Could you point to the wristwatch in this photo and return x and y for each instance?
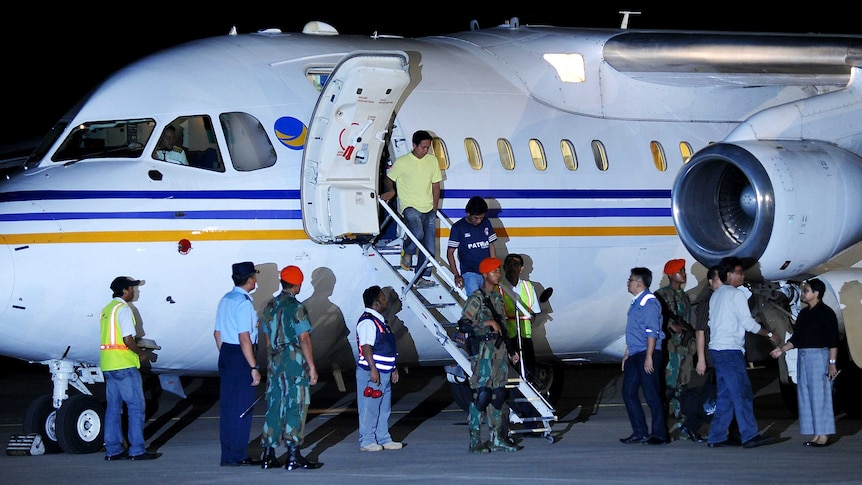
(256, 367)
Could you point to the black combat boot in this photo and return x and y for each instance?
(269, 459)
(296, 460)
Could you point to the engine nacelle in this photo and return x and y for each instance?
(790, 205)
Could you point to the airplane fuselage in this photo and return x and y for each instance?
(70, 225)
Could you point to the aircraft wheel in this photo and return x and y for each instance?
(40, 417)
(461, 393)
(549, 380)
(80, 424)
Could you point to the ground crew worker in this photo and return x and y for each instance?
(120, 358)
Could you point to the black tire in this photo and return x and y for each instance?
(80, 425)
(549, 380)
(461, 394)
(40, 418)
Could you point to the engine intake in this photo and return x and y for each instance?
(791, 205)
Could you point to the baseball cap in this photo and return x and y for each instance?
(120, 283)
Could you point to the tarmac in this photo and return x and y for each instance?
(586, 447)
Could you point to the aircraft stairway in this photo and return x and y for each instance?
(439, 309)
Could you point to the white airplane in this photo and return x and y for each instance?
(598, 151)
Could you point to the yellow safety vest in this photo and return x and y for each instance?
(114, 354)
(525, 288)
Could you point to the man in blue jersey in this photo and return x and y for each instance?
(473, 237)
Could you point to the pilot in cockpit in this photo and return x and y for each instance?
(167, 150)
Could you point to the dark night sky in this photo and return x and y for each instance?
(54, 55)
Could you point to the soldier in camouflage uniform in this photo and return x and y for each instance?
(681, 344)
(489, 366)
(291, 371)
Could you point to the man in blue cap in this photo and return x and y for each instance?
(236, 338)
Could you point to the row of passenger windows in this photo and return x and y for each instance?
(540, 160)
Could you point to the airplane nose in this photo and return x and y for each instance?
(7, 275)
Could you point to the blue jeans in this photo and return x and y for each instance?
(423, 225)
(635, 378)
(373, 413)
(124, 386)
(733, 397)
(472, 282)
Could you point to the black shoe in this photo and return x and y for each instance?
(269, 460)
(296, 460)
(653, 440)
(119, 456)
(720, 444)
(691, 435)
(758, 441)
(250, 461)
(633, 440)
(815, 444)
(303, 463)
(146, 456)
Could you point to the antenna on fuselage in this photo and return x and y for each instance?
(626, 14)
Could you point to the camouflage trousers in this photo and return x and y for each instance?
(680, 364)
(490, 366)
(287, 400)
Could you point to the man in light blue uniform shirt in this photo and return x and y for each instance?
(236, 338)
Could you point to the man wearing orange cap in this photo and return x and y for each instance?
(681, 344)
(484, 310)
(286, 329)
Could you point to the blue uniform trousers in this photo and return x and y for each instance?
(236, 394)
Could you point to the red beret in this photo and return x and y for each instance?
(292, 275)
(673, 266)
(489, 264)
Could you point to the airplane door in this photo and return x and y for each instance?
(348, 129)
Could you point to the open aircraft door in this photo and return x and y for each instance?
(348, 130)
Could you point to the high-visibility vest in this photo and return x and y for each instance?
(113, 353)
(526, 292)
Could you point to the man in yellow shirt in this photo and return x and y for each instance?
(416, 176)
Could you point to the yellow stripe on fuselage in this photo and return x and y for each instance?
(297, 234)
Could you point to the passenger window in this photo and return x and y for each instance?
(658, 158)
(507, 157)
(600, 155)
(685, 151)
(247, 143)
(570, 158)
(474, 155)
(438, 148)
(537, 152)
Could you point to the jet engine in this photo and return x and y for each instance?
(790, 205)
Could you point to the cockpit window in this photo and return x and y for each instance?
(247, 143)
(102, 139)
(191, 141)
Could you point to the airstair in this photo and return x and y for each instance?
(439, 308)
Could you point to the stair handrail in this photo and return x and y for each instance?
(443, 272)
